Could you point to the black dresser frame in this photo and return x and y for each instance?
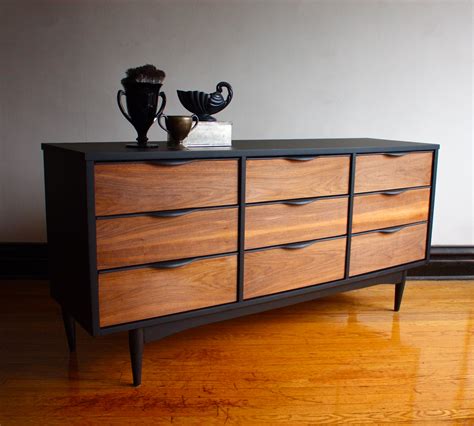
(71, 222)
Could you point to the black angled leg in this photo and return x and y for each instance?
(399, 287)
(135, 342)
(70, 327)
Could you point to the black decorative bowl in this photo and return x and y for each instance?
(205, 104)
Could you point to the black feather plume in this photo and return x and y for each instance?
(144, 74)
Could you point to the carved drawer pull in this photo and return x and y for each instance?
(170, 162)
(173, 213)
(395, 154)
(298, 202)
(395, 192)
(391, 230)
(297, 245)
(173, 264)
(306, 158)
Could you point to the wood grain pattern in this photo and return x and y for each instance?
(375, 250)
(281, 179)
(273, 224)
(377, 211)
(137, 240)
(122, 188)
(346, 358)
(377, 172)
(137, 294)
(274, 270)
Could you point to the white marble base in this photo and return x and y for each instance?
(210, 133)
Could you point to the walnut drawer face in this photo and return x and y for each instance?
(377, 172)
(138, 294)
(375, 211)
(377, 250)
(279, 269)
(281, 178)
(122, 188)
(136, 240)
(274, 224)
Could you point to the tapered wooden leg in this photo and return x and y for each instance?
(399, 287)
(70, 328)
(136, 342)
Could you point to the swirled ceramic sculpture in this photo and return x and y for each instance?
(205, 104)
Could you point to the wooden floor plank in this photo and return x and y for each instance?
(344, 359)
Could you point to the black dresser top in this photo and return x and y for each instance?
(116, 151)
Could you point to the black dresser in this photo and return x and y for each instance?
(160, 240)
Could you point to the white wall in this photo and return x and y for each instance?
(300, 69)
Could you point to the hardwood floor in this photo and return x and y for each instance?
(347, 358)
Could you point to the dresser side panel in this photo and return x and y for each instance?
(69, 245)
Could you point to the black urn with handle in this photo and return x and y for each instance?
(142, 92)
(204, 105)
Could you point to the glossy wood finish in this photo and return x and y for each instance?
(347, 358)
(136, 294)
(122, 188)
(377, 172)
(137, 240)
(280, 269)
(377, 211)
(281, 178)
(274, 224)
(377, 250)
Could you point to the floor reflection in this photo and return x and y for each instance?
(345, 358)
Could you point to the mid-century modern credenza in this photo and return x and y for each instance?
(160, 240)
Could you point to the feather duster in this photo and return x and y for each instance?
(144, 74)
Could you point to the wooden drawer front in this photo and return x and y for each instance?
(382, 171)
(378, 250)
(274, 270)
(122, 188)
(136, 240)
(377, 211)
(138, 294)
(282, 179)
(283, 223)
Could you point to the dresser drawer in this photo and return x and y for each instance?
(392, 208)
(383, 249)
(122, 188)
(297, 177)
(291, 221)
(280, 269)
(138, 294)
(377, 172)
(157, 237)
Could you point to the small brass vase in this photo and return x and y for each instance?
(178, 127)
